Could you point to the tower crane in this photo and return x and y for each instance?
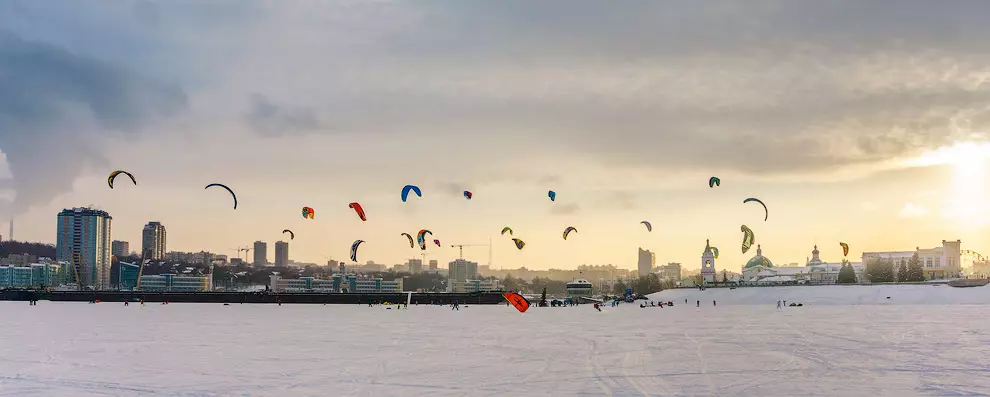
(460, 250)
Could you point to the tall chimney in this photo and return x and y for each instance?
(11, 236)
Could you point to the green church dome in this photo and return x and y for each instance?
(759, 260)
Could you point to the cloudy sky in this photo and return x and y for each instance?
(863, 122)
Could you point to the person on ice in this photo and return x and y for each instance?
(778, 304)
(455, 306)
(698, 304)
(713, 303)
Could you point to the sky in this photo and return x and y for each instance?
(861, 122)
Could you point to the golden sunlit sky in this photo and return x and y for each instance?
(862, 122)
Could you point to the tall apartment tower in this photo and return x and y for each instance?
(646, 262)
(281, 253)
(260, 253)
(153, 241)
(83, 242)
(120, 248)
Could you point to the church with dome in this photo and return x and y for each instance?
(760, 270)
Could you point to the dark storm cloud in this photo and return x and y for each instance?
(760, 87)
(269, 119)
(57, 107)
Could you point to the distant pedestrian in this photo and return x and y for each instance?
(699, 304)
(778, 304)
(713, 303)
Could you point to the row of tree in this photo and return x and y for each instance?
(884, 270)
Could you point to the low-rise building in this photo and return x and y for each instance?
(128, 275)
(349, 283)
(35, 275)
(175, 283)
(937, 263)
(475, 286)
(579, 288)
(303, 284)
(670, 271)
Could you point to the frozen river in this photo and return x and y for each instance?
(79, 349)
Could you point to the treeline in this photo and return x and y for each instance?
(642, 285)
(23, 247)
(886, 271)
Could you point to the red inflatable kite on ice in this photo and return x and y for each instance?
(517, 300)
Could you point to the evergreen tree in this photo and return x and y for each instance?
(847, 275)
(902, 273)
(619, 288)
(914, 270)
(880, 271)
(543, 298)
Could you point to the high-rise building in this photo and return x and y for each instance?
(260, 253)
(83, 242)
(281, 253)
(646, 262)
(433, 264)
(153, 241)
(462, 270)
(415, 266)
(120, 248)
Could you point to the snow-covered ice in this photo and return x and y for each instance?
(752, 349)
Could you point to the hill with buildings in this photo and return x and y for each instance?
(23, 247)
(900, 294)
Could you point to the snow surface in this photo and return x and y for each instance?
(80, 349)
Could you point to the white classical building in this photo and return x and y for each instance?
(760, 270)
(708, 264)
(938, 263)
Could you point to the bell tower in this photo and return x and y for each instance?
(708, 264)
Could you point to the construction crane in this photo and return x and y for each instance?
(460, 249)
(247, 251)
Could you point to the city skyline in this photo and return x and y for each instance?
(872, 132)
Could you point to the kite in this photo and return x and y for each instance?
(421, 238)
(519, 243)
(553, 195)
(437, 242)
(414, 189)
(228, 189)
(360, 211)
(517, 300)
(292, 236)
(113, 175)
(354, 248)
(765, 210)
(308, 213)
(649, 227)
(845, 249)
(411, 244)
(506, 229)
(715, 252)
(468, 194)
(714, 181)
(748, 238)
(568, 231)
